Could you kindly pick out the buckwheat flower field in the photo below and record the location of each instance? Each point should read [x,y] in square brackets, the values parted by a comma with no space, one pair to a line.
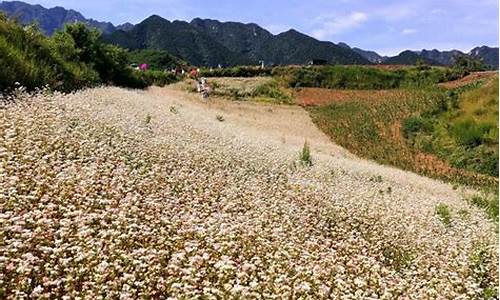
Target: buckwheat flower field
[110,193]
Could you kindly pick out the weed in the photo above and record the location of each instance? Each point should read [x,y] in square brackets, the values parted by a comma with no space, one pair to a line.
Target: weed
[489,204]
[305,155]
[397,257]
[174,110]
[219,118]
[463,213]
[479,261]
[443,212]
[377,179]
[148,119]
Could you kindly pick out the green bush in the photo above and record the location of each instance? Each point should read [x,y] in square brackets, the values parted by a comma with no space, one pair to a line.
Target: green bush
[72,59]
[359,77]
[470,133]
[156,59]
[305,155]
[272,90]
[240,71]
[414,125]
[443,212]
[159,78]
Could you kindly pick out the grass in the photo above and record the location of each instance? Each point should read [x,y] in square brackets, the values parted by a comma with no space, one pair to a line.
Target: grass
[305,155]
[363,78]
[487,202]
[262,89]
[388,129]
[464,131]
[444,214]
[480,258]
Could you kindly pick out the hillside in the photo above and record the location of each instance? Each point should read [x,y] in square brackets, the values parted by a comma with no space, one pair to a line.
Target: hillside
[210,42]
[49,19]
[409,58]
[139,193]
[487,54]
[446,58]
[372,56]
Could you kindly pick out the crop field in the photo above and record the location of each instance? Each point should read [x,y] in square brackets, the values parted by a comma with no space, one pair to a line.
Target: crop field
[321,96]
[369,124]
[114,193]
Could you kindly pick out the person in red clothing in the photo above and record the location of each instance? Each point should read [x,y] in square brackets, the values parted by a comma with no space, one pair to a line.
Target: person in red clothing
[194,73]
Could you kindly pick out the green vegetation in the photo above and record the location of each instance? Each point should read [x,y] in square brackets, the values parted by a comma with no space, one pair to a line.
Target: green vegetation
[305,155]
[157,59]
[480,270]
[73,58]
[463,130]
[264,89]
[240,71]
[443,212]
[446,134]
[398,257]
[219,118]
[368,127]
[271,90]
[487,202]
[359,77]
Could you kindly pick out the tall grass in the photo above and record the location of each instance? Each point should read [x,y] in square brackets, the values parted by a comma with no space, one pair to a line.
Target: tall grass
[359,77]
[374,129]
[464,131]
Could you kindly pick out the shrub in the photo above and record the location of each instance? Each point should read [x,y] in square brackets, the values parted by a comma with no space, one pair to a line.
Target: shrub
[305,155]
[443,212]
[73,58]
[413,125]
[272,90]
[240,71]
[469,133]
[159,78]
[359,77]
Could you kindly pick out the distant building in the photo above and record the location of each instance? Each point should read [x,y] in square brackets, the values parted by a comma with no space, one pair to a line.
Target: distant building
[317,62]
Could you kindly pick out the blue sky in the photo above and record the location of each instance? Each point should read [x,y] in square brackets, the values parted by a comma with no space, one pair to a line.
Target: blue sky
[387,26]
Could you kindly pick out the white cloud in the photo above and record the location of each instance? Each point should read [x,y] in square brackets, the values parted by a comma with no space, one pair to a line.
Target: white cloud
[408,31]
[334,24]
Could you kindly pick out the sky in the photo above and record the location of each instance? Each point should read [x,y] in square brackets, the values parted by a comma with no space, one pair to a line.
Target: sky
[385,26]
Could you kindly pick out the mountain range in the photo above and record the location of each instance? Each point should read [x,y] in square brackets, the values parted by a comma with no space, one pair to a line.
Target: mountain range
[211,42]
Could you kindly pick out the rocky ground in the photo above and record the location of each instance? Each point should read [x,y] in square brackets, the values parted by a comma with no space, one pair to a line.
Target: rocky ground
[112,193]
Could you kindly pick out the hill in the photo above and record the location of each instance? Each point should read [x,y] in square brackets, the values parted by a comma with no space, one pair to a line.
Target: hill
[372,56]
[49,19]
[210,42]
[446,58]
[408,57]
[489,55]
